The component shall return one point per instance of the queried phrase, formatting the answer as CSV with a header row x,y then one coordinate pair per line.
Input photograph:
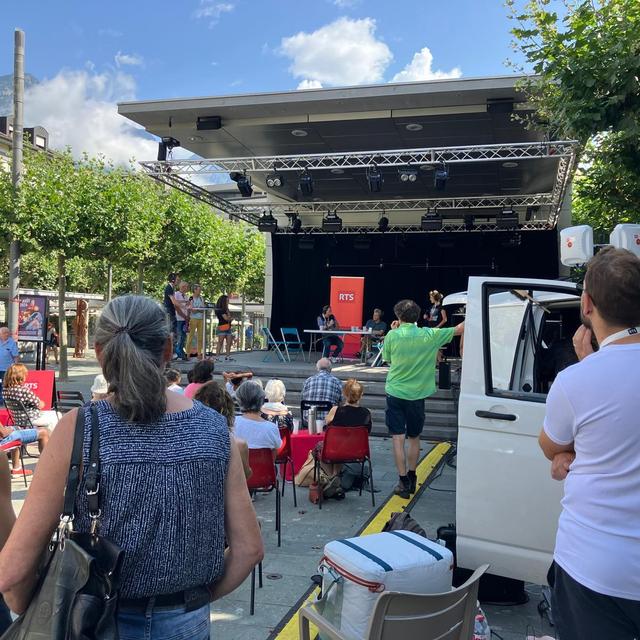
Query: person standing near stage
x,y
590,433
182,317
411,353
8,353
169,301
224,331
196,321
436,316
327,322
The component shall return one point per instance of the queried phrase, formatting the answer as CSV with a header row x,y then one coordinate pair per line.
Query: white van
x,y
517,337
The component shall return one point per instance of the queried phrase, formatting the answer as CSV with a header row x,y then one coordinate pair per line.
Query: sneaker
x,y
21,472
402,489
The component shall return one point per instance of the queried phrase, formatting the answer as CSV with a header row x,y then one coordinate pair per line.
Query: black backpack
x,y
404,522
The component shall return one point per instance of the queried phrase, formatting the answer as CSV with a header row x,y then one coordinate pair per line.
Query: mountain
x,y
6,91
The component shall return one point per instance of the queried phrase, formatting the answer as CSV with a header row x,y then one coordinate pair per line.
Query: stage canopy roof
x,y
465,131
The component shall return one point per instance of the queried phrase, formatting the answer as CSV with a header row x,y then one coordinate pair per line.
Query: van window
x,y
527,337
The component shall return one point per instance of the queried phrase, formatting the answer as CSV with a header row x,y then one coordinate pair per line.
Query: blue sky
x,y
90,55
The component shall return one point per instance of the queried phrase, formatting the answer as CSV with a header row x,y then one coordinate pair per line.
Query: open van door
x,y
517,338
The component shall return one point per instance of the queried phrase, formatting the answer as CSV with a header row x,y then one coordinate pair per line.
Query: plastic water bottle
x,y
481,630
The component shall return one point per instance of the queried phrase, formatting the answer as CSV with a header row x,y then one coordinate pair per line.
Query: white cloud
x,y
420,69
78,109
130,59
345,4
345,52
309,84
211,10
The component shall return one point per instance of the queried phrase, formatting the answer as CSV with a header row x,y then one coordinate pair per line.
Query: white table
x,y
337,332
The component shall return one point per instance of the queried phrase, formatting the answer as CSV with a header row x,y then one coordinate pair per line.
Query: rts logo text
x,y
346,297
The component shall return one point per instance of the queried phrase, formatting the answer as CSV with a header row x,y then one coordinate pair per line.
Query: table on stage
x,y
340,333
301,443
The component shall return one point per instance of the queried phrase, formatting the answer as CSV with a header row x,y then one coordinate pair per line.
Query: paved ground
x,y
287,569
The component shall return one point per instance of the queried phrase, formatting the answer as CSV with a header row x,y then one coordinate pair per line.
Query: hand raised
x,y
582,342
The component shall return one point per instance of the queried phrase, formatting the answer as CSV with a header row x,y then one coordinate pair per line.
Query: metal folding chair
x,y
292,342
67,400
273,345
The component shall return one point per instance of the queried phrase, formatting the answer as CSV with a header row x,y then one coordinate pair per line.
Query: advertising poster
x,y
32,318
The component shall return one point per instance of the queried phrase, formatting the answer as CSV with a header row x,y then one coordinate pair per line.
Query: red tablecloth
x,y
301,443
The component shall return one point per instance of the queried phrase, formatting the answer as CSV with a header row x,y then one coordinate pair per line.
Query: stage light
x,y
208,123
275,180
296,224
431,221
306,183
165,146
331,222
507,219
383,224
408,175
440,177
530,213
469,222
267,223
374,178
244,183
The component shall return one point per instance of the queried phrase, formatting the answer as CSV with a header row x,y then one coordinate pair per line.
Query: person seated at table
x,y
377,328
14,388
202,372
327,322
173,377
250,425
274,408
215,396
350,414
322,387
99,388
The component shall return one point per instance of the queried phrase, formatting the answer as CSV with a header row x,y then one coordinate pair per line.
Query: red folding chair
x,y
264,478
284,458
342,445
12,447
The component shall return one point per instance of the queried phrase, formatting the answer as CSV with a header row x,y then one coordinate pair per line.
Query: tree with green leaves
x,y
587,87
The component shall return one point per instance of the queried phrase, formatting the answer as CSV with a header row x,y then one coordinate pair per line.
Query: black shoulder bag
x,y
77,594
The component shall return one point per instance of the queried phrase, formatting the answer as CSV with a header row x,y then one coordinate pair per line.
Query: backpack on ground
x,y
404,522
351,479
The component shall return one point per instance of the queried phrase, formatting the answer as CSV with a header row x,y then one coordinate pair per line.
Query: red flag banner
x,y
347,299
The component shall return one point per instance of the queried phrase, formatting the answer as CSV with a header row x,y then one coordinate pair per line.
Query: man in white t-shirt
x,y
592,435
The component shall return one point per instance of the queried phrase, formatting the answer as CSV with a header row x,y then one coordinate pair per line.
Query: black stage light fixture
x,y
383,224
296,223
275,180
507,219
374,178
306,183
408,175
530,213
431,221
267,223
166,144
440,177
469,222
208,123
331,222
244,183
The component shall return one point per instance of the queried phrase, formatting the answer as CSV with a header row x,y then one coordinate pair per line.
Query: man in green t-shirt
x,y
411,353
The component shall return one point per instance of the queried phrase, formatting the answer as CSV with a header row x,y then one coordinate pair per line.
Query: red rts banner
x,y
43,384
346,300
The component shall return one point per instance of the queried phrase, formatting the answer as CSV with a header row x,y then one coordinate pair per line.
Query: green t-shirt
x,y
411,353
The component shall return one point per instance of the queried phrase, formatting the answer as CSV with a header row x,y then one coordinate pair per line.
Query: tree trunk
x,y
109,282
63,373
140,286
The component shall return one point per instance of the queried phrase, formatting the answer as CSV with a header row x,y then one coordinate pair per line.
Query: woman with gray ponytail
x,y
172,488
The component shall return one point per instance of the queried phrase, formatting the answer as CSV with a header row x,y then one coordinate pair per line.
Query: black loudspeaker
x,y
444,376
493,589
208,123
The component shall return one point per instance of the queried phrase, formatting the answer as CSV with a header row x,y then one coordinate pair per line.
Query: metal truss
x,y
563,175
364,159
453,227
233,210
363,206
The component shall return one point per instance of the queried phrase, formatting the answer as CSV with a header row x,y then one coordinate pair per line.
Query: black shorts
x,y
582,614
404,416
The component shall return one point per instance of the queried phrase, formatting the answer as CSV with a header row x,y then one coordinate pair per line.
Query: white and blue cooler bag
x,y
357,570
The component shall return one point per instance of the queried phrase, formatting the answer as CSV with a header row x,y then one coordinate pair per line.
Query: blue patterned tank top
x,y
162,497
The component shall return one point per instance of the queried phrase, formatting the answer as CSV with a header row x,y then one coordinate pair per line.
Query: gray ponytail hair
x,y
132,331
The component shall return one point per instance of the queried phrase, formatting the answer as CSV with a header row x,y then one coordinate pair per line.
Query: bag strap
x,y
92,482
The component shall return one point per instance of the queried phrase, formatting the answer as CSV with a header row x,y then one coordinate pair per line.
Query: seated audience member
x,y
202,373
213,395
173,377
274,408
327,322
377,328
350,414
14,388
322,386
99,388
233,379
250,425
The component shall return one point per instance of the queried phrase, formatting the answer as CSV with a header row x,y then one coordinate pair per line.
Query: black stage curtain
x,y
397,266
